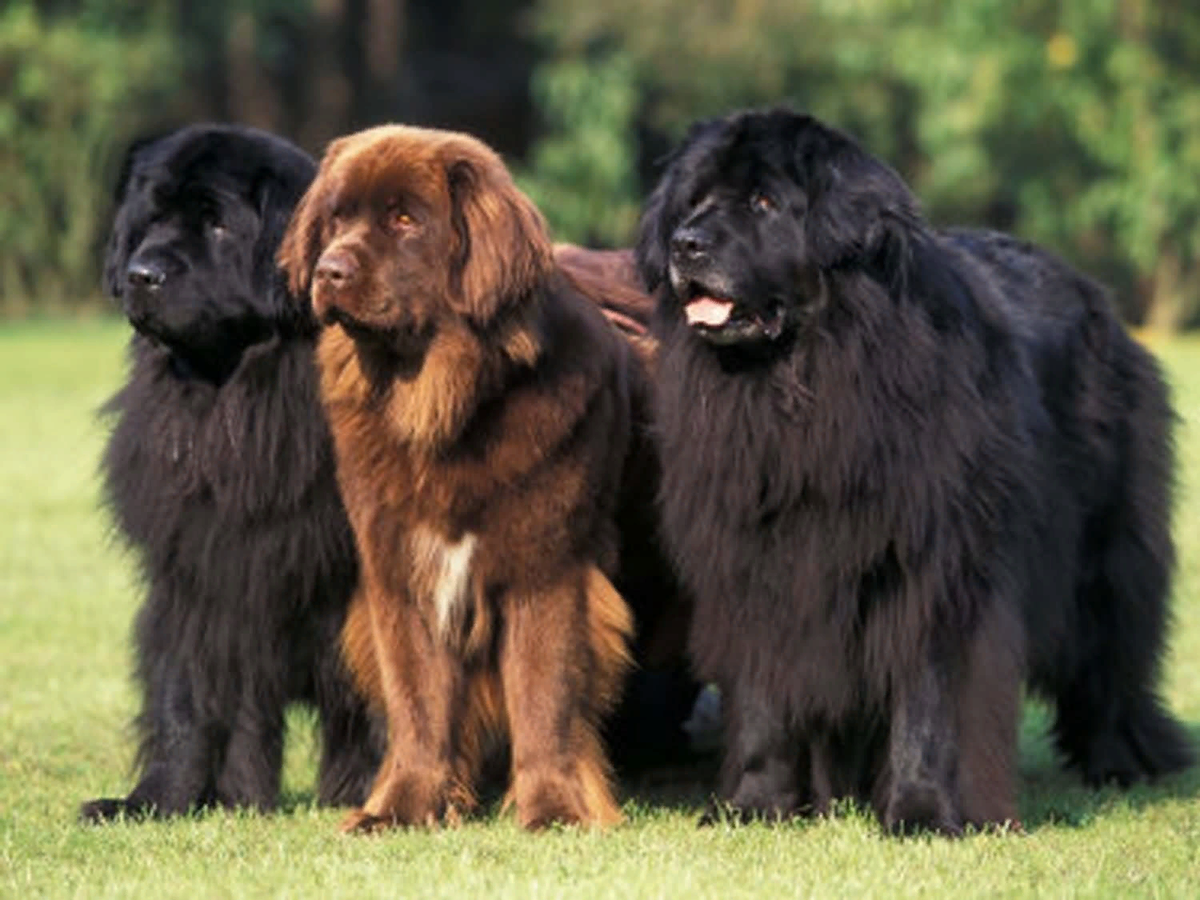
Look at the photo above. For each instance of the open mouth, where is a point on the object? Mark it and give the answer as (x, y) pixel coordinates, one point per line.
(724, 321)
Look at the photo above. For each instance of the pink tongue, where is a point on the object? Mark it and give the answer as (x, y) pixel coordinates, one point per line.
(707, 311)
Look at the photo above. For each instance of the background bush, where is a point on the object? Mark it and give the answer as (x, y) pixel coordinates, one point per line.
(71, 93)
(1071, 122)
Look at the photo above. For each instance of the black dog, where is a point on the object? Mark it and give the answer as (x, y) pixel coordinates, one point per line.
(905, 469)
(219, 473)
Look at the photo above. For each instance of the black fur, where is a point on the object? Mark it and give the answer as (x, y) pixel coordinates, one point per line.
(909, 470)
(219, 474)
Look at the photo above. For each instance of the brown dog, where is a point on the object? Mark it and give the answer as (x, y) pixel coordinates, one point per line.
(489, 427)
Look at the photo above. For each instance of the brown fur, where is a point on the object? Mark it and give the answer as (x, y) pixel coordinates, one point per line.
(488, 424)
(610, 278)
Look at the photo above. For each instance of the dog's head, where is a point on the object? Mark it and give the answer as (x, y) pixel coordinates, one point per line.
(405, 228)
(191, 256)
(751, 216)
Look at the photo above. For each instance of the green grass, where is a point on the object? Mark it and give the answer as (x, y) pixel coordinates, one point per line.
(67, 597)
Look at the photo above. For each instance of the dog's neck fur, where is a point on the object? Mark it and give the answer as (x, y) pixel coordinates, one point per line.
(429, 400)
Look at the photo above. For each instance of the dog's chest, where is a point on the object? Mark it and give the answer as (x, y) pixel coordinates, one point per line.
(443, 575)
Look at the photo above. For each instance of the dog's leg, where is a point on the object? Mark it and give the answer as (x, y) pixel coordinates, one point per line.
(253, 759)
(563, 656)
(423, 691)
(989, 711)
(759, 773)
(951, 758)
(1111, 722)
(920, 789)
(350, 743)
(348, 693)
(179, 752)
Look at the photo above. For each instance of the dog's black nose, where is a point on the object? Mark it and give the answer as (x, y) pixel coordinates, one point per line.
(335, 269)
(145, 275)
(690, 243)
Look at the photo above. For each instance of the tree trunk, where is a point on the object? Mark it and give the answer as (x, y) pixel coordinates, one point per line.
(383, 31)
(329, 89)
(1171, 305)
(255, 97)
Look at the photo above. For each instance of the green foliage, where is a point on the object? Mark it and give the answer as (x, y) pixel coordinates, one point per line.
(1083, 117)
(1073, 122)
(71, 95)
(696, 57)
(583, 175)
(68, 595)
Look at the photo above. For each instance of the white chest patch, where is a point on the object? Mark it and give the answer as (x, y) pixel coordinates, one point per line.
(443, 570)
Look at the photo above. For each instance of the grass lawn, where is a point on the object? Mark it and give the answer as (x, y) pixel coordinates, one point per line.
(67, 597)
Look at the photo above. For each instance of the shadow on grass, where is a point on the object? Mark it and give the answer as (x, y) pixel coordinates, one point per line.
(1049, 794)
(1052, 795)
(684, 787)
(292, 802)
(1057, 798)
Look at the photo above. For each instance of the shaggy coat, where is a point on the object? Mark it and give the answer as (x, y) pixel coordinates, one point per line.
(219, 475)
(903, 470)
(611, 277)
(488, 426)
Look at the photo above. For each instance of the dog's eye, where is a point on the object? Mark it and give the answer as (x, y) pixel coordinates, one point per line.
(761, 203)
(396, 219)
(217, 230)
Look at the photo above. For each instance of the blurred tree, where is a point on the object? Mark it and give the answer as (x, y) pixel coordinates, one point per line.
(1080, 120)
(71, 92)
(583, 172)
(1072, 122)
(80, 78)
(697, 58)
(314, 69)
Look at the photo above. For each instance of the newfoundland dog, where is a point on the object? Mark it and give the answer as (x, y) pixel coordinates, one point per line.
(219, 474)
(491, 435)
(905, 469)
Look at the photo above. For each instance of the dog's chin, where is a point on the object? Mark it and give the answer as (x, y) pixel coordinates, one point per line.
(356, 328)
(152, 330)
(402, 342)
(192, 356)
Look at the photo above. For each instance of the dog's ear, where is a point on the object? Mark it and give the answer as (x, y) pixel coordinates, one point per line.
(275, 193)
(653, 238)
(501, 248)
(860, 209)
(302, 242)
(301, 245)
(133, 153)
(277, 186)
(116, 253)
